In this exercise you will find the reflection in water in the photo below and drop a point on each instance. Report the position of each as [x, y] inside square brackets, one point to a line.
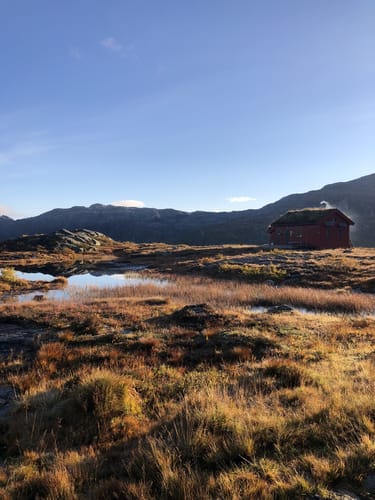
[304, 310]
[34, 276]
[86, 281]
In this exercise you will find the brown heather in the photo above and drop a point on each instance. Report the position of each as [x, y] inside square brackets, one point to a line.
[127, 396]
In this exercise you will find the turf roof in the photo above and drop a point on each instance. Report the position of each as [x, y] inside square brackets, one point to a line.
[305, 216]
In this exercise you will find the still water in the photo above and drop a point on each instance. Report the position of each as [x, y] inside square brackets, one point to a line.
[85, 282]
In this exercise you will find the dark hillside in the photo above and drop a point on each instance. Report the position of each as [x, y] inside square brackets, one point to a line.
[356, 198]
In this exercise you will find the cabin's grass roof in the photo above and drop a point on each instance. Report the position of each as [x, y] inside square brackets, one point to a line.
[306, 216]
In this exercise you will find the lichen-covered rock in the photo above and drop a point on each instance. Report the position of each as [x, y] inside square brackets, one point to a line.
[78, 241]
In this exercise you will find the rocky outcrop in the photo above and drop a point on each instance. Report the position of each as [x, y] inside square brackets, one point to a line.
[79, 241]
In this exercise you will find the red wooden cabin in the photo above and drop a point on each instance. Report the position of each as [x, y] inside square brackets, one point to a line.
[311, 228]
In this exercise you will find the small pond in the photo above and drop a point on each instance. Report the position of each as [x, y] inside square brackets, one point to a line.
[304, 310]
[94, 280]
[267, 309]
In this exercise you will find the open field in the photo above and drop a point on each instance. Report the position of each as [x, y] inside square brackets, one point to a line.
[183, 391]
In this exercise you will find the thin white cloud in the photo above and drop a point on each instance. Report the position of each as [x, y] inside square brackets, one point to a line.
[4, 210]
[22, 150]
[8, 211]
[128, 203]
[112, 44]
[240, 199]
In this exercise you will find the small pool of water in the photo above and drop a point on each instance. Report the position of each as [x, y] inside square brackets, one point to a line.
[266, 309]
[304, 310]
[34, 276]
[85, 281]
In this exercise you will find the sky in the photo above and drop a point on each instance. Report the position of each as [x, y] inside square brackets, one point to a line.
[193, 105]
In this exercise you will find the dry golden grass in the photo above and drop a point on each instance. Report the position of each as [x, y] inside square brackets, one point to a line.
[233, 295]
[129, 396]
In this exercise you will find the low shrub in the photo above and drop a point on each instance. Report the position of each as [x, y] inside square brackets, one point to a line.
[8, 274]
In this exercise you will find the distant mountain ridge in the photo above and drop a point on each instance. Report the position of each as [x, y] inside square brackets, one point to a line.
[356, 198]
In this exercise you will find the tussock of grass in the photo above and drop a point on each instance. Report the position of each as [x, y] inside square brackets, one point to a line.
[286, 374]
[82, 410]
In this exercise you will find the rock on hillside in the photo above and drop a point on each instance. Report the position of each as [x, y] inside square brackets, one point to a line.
[78, 241]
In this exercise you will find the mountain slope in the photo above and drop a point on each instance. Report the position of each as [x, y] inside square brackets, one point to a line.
[356, 198]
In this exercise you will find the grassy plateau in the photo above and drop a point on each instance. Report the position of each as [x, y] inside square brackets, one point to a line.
[197, 389]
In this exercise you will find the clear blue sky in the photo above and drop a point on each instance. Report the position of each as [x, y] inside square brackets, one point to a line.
[199, 104]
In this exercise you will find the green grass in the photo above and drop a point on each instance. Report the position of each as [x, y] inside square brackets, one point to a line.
[252, 272]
